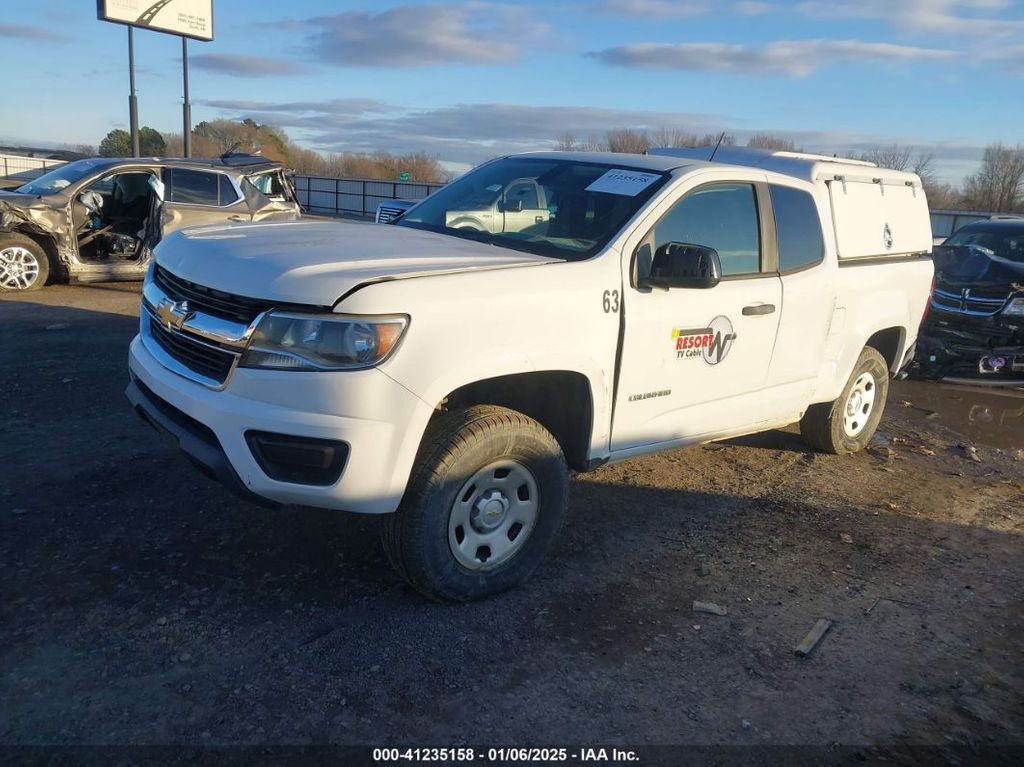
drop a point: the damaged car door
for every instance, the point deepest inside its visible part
(200, 198)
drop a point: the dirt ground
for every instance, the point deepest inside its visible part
(142, 604)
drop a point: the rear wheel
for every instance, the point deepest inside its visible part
(485, 502)
(847, 424)
(23, 263)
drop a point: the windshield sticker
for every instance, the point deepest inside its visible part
(494, 188)
(628, 183)
(711, 343)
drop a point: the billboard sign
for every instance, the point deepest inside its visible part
(189, 18)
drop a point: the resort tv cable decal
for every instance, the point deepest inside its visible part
(711, 343)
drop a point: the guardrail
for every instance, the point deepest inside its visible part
(355, 196)
(16, 163)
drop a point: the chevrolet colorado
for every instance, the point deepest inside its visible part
(450, 378)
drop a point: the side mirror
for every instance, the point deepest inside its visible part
(512, 206)
(683, 265)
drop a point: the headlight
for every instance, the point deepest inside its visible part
(322, 342)
(1016, 308)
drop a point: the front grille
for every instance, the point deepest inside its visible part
(198, 357)
(209, 301)
(980, 303)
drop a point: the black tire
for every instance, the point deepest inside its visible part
(13, 241)
(823, 425)
(457, 446)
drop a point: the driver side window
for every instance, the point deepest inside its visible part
(719, 216)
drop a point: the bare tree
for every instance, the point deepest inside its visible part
(905, 158)
(893, 156)
(666, 136)
(566, 142)
(628, 140)
(768, 141)
(999, 183)
(943, 196)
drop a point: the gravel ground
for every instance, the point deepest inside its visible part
(143, 604)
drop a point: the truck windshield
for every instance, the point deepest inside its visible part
(550, 207)
(60, 178)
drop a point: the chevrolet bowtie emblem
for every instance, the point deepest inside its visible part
(173, 314)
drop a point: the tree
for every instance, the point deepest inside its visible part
(999, 183)
(905, 158)
(892, 156)
(151, 143)
(666, 136)
(768, 141)
(628, 140)
(117, 143)
(566, 142)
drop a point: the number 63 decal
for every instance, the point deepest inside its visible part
(610, 301)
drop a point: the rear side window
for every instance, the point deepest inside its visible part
(194, 187)
(798, 227)
(228, 194)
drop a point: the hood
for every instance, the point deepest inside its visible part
(317, 262)
(14, 199)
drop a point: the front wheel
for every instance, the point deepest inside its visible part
(23, 263)
(485, 502)
(847, 424)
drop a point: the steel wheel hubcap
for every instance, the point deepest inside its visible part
(859, 404)
(19, 269)
(493, 515)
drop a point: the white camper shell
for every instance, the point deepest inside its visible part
(876, 212)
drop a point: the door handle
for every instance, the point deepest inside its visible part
(238, 218)
(755, 309)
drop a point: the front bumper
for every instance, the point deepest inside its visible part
(967, 357)
(379, 421)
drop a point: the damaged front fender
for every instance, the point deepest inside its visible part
(44, 222)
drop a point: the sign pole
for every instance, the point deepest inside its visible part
(186, 108)
(133, 102)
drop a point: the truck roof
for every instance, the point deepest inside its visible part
(638, 161)
(801, 165)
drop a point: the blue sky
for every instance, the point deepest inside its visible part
(468, 80)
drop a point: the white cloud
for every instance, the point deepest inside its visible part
(415, 36)
(752, 7)
(656, 9)
(244, 66)
(985, 18)
(22, 32)
(787, 57)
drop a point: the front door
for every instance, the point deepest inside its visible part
(694, 361)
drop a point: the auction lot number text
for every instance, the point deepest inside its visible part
(504, 754)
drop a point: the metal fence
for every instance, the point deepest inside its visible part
(945, 222)
(15, 163)
(355, 196)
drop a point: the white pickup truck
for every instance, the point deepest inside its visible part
(450, 378)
